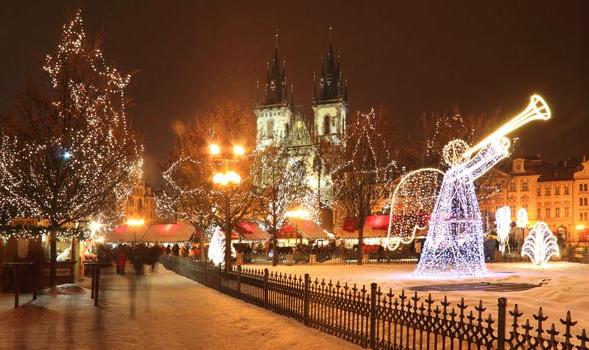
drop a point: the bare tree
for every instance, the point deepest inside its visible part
(280, 186)
(71, 154)
(361, 178)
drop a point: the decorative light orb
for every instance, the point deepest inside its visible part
(66, 155)
(238, 150)
(540, 244)
(454, 152)
(233, 177)
(220, 179)
(214, 149)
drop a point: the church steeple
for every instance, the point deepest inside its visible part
(331, 85)
(275, 79)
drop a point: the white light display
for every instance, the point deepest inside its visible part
(455, 239)
(503, 222)
(540, 245)
(454, 244)
(522, 218)
(217, 247)
(411, 203)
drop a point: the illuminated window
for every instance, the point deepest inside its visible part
(557, 212)
(583, 201)
(524, 186)
(547, 213)
(557, 190)
(512, 186)
(538, 191)
(566, 212)
(566, 190)
(547, 190)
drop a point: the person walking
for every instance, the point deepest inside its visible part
(122, 256)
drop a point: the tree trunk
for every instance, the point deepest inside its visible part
(53, 258)
(275, 245)
(360, 239)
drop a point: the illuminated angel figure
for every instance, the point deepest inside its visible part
(540, 244)
(503, 222)
(216, 251)
(454, 243)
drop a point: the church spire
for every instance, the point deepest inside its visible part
(275, 78)
(331, 86)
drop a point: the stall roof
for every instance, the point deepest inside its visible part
(299, 228)
(153, 233)
(251, 231)
(375, 226)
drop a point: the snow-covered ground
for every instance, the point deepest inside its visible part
(157, 311)
(564, 286)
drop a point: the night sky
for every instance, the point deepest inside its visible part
(411, 57)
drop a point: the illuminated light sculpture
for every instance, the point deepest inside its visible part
(217, 247)
(503, 222)
(540, 245)
(411, 202)
(454, 244)
(522, 218)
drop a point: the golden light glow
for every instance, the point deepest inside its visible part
(298, 213)
(95, 226)
(228, 178)
(537, 110)
(238, 150)
(580, 227)
(214, 149)
(135, 222)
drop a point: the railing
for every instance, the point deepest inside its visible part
(379, 319)
(330, 258)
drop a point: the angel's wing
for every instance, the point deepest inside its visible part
(412, 202)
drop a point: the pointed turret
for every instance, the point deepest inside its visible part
(331, 86)
(275, 80)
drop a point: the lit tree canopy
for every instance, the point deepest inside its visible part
(70, 154)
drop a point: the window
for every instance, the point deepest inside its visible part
(524, 186)
(538, 211)
(326, 125)
(547, 213)
(582, 202)
(582, 187)
(270, 128)
(557, 212)
(512, 186)
(557, 190)
(538, 191)
(547, 190)
(566, 190)
(566, 212)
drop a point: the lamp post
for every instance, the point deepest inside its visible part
(227, 180)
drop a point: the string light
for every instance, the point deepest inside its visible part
(411, 203)
(503, 222)
(454, 244)
(540, 245)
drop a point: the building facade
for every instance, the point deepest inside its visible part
(141, 204)
(555, 193)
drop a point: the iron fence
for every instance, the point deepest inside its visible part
(378, 319)
(330, 258)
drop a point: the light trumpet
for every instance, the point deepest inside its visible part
(536, 110)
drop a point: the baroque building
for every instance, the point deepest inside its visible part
(141, 204)
(556, 193)
(280, 121)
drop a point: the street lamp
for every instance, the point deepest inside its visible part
(295, 215)
(135, 223)
(226, 180)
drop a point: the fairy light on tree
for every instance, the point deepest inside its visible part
(73, 155)
(503, 223)
(540, 244)
(280, 183)
(365, 170)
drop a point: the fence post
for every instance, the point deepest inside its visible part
(220, 274)
(306, 299)
(239, 281)
(373, 315)
(501, 303)
(266, 288)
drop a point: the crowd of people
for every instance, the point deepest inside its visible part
(139, 255)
